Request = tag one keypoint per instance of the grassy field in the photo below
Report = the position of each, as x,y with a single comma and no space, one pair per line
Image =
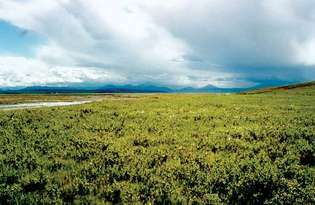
162,149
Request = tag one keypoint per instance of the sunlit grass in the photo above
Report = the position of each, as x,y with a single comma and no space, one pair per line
166,148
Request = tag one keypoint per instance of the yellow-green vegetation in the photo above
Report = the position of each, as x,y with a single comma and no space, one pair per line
162,149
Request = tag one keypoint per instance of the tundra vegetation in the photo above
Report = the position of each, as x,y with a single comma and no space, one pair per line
162,149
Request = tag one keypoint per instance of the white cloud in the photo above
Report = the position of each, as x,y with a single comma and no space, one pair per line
306,52
20,71
174,42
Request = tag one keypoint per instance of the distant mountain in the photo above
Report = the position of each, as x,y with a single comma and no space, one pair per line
211,89
104,89
47,89
142,88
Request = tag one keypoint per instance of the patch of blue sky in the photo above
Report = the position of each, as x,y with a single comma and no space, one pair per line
18,42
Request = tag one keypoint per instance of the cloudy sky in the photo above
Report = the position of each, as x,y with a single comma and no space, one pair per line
227,43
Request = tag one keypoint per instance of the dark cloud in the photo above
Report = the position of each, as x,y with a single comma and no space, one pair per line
175,42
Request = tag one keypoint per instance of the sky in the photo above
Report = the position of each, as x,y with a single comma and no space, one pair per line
175,43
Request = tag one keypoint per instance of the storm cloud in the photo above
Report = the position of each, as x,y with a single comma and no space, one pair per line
176,42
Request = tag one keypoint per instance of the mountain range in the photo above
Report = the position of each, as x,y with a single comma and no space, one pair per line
143,88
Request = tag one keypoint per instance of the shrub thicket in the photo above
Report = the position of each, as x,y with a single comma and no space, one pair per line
162,149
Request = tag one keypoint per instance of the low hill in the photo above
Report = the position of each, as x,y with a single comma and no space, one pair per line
292,87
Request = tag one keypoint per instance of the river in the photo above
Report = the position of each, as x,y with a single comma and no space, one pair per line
40,104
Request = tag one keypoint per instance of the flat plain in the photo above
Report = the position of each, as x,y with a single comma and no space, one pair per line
255,148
